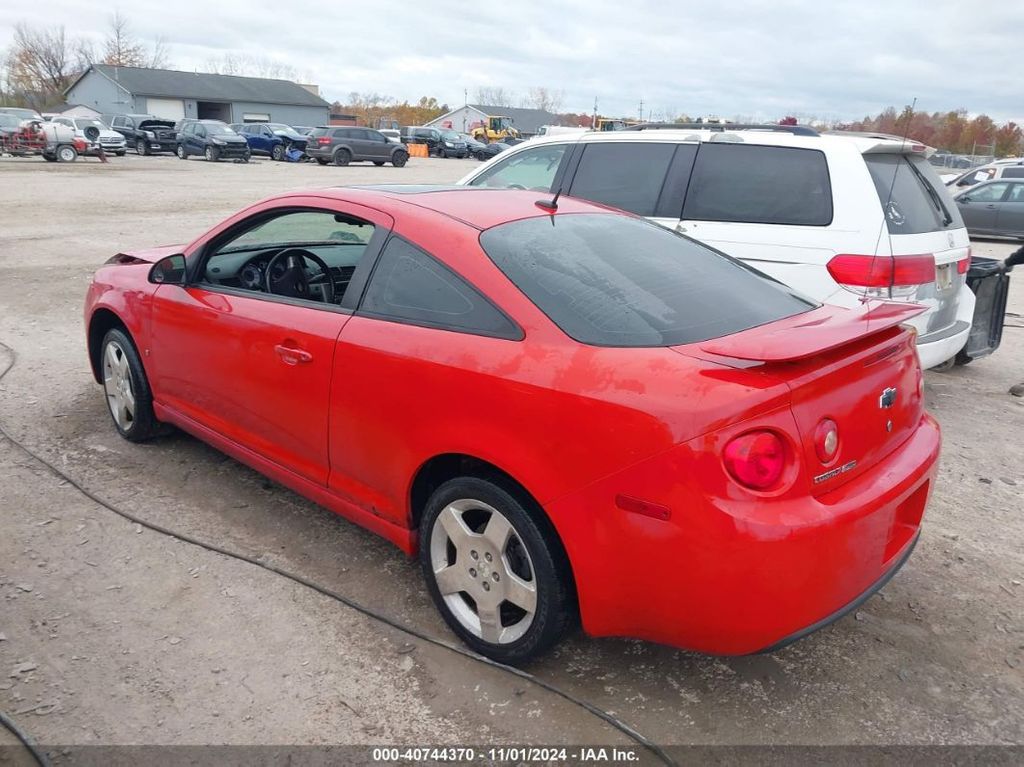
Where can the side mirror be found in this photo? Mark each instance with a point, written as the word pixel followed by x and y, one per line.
pixel 169 270
pixel 964 199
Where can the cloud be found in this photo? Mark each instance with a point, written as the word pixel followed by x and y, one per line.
pixel 757 58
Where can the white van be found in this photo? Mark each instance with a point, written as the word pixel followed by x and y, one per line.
pixel 838 217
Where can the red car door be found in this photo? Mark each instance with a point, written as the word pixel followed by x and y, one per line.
pixel 255 367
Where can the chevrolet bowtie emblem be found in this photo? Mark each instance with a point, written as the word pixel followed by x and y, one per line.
pixel 888 398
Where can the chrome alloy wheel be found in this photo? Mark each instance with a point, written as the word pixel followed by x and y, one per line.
pixel 483 571
pixel 117 381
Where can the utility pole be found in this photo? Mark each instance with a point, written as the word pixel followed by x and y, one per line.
pixel 465 107
pixel 593 124
pixel 641 110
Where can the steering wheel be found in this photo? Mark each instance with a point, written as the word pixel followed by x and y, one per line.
pixel 516 186
pixel 294 281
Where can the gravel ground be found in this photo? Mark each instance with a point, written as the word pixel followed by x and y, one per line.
pixel 112 634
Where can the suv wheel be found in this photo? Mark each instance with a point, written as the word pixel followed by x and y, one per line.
pixel 180 151
pixel 442 153
pixel 277 153
pixel 321 160
pixel 496 573
pixel 399 158
pixel 141 147
pixel 342 157
pixel 211 154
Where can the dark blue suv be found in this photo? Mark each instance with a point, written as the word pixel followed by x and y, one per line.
pixel 271 139
pixel 213 140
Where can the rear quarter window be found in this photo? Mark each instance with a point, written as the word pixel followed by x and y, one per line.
pixel 759 185
pixel 629 176
pixel 614 280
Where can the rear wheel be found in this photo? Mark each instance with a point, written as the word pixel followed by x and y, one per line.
pixel 277 153
pixel 129 398
pixel 442 153
pixel 499 579
pixel 398 159
pixel 342 157
pixel 321 160
pixel 66 153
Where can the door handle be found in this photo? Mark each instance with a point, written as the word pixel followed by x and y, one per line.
pixel 292 356
pixel 991 207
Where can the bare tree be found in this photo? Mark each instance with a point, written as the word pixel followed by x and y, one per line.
pixel 540 97
pixel 120 48
pixel 494 96
pixel 247 65
pixel 40 64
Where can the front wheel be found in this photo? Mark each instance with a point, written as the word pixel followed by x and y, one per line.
pixel 277 153
pixel 129 398
pixel 180 151
pixel 398 159
pixel 211 154
pixel 497 574
pixel 141 147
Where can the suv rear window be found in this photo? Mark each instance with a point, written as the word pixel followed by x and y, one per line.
pixel 913 197
pixel 317 132
pixel 759 185
pixel 612 280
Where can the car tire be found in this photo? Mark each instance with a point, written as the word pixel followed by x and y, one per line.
pixel 277 153
pixel 211 154
pixel 180 151
pixel 49 158
pixel 518 578
pixel 66 153
pixel 378 163
pixel 121 154
pixel 342 157
pixel 141 147
pixel 129 398
pixel 399 159
pixel 247 156
pixel 321 161
pixel 442 153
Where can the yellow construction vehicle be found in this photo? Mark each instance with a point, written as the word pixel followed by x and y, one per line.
pixel 610 124
pixel 494 128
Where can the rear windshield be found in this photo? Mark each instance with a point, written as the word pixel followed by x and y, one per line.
pixel 913 197
pixel 318 132
pixel 609 280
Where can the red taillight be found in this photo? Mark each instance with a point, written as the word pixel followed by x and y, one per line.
pixel 882 271
pixel 964 264
pixel 756 459
pixel 323 140
pixel 826 440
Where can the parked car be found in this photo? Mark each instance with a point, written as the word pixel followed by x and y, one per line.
pixel 488 151
pixel 111 141
pixel 1000 169
pixel 452 145
pixel 213 140
pixel 805 208
pixel 271 139
pixel 994 207
pixel 513 388
pixel 392 134
pixel 147 134
pixel 472 145
pixel 342 145
pixel 412 134
pixel 21 114
pixel 305 130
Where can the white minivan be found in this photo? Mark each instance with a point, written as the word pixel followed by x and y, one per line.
pixel 838 217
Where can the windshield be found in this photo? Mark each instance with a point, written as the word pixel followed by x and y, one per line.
pixel 450 135
pixel 279 127
pixel 215 129
pixel 611 280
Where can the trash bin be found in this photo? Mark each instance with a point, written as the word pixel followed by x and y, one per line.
pixel 988 279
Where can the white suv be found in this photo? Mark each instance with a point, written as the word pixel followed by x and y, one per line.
pixel 836 216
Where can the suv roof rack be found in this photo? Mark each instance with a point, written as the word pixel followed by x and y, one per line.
pixel 796 130
pixel 874 134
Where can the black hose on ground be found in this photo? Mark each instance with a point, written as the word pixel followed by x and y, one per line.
pixel 26 741
pixel 601 714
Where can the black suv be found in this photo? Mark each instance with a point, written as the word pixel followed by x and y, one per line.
pixel 212 139
pixel 146 133
pixel 344 145
pixel 436 141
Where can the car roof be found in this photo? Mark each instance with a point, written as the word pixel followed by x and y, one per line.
pixel 480 208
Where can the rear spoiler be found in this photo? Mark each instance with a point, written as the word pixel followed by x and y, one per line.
pixel 888 143
pixel 810 333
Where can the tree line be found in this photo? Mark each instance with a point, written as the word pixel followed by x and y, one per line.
pixel 953 131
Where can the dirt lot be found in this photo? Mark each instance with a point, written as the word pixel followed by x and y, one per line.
pixel 110 634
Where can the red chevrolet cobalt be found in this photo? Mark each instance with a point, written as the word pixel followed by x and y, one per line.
pixel 566 411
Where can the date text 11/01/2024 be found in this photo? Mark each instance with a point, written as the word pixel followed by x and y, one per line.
pixel 502 754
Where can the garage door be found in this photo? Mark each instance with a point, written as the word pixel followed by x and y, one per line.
pixel 169 109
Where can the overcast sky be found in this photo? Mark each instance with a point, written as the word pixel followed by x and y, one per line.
pixel 760 58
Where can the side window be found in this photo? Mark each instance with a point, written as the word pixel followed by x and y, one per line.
pixel 244 258
pixel 759 185
pixel 410 286
pixel 1013 172
pixel 200 131
pixel 1016 193
pixel 988 193
pixel 533 168
pixel 624 175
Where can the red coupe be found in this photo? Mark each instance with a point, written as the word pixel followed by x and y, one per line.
pixel 568 412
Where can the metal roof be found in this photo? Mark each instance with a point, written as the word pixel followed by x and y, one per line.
pixel 526 120
pixel 202 86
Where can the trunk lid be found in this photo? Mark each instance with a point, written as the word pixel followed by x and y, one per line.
pixel 858 368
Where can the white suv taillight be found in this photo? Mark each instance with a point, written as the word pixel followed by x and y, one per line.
pixel 883 276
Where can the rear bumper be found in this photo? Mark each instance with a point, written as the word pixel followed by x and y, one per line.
pixel 731 574
pixel 939 346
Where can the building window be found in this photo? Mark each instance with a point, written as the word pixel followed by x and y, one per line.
pixel 255 117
